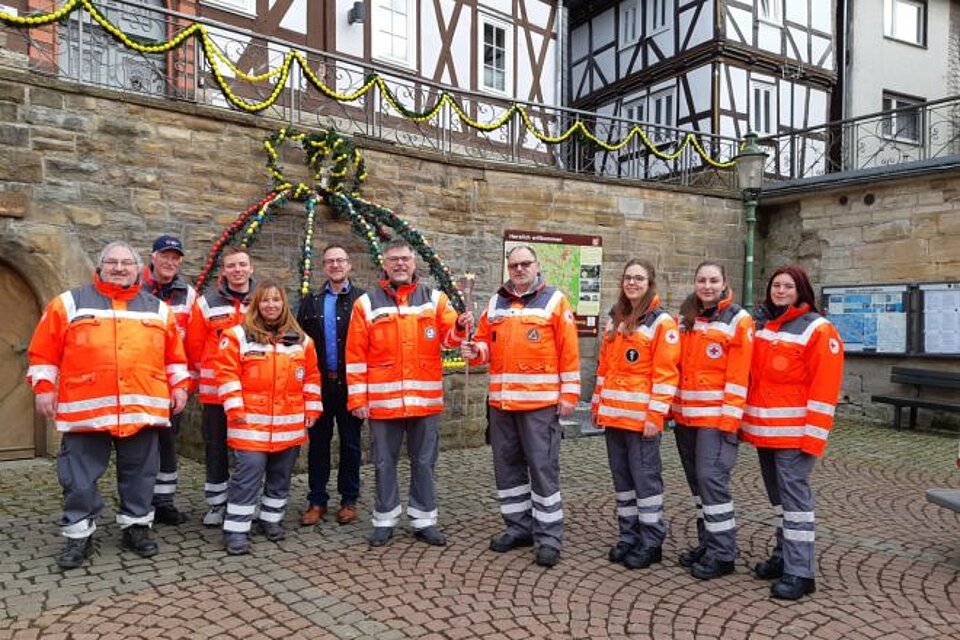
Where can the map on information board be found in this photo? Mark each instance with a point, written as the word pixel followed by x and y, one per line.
pixel 570 263
pixel 941 317
pixel 871 319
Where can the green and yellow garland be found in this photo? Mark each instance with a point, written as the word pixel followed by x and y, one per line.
pixel 338 171
pixel 278 76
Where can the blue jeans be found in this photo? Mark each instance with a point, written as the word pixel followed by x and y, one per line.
pixel 318 456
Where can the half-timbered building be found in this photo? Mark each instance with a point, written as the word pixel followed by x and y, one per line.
pixel 717 67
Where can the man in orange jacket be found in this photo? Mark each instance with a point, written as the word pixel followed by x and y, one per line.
pixel 215 312
pixel 395 378
pixel 529 337
pixel 162 279
pixel 108 368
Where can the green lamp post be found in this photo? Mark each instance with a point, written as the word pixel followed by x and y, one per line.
pixel 750 163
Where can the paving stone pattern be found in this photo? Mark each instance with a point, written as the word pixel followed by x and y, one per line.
pixel 888 562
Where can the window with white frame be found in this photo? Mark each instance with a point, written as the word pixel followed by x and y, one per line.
pixel 661 112
pixel 495 60
pixel 248 7
pixel 657 15
pixel 629 22
pixel 632 114
pixel 762 108
pixel 905 20
pixel 393 24
pixel 904 123
pixel 770 11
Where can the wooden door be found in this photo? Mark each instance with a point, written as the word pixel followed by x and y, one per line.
pixel 21 434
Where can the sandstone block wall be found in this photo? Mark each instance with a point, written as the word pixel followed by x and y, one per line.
pixel 891 232
pixel 81 166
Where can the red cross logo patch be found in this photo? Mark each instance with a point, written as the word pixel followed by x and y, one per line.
pixel 714 351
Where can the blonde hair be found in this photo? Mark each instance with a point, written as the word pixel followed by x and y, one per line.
pixel 254 324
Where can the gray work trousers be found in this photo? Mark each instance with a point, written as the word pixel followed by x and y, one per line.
pixel 526 467
pixel 386 437
pixel 213 427
pixel 83 459
pixel 251 468
pixel 708 456
pixel 638 480
pixel 786 475
pixel 166 487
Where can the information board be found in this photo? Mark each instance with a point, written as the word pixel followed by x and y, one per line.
pixel 870 319
pixel 571 263
pixel 940 305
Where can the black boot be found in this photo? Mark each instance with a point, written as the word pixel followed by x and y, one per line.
pixel 168 514
pixel 791 587
pixel 690 557
pixel 431 535
pixel 75 552
pixel 507 541
pixel 709 568
pixel 769 569
pixel 236 544
pixel 641 557
pixel 273 531
pixel 137 538
pixel 380 536
pixel 619 552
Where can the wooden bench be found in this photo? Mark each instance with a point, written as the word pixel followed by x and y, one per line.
pixel 919 379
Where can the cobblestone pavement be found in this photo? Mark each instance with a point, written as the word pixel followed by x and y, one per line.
pixel 888 562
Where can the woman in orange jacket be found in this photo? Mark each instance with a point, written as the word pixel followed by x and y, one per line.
pixel 268 380
pixel 636 380
pixel 795 380
pixel 716 340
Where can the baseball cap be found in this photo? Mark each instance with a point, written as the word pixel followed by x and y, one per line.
pixel 168 242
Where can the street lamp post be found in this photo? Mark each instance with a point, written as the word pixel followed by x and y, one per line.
pixel 750 163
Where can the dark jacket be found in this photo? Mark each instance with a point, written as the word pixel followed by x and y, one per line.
pixel 310 317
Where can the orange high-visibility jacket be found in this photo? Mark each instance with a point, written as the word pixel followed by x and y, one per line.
pixel 531 344
pixel 270 392
pixel 637 373
pixel 180 297
pixel 715 369
pixel 795 379
pixel 393 350
pixel 213 313
pixel 113 355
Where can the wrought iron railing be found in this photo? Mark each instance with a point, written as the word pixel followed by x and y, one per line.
pixel 398 109
pixel 924 131
pixel 78 49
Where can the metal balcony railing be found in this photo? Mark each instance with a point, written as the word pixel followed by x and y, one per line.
pixel 400 109
pixel 919 132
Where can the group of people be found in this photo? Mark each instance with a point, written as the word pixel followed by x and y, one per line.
pixel 112 364
pixel 772 380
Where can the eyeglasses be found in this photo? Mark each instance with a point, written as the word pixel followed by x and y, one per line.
pixel 525 264
pixel 637 279
pixel 113 264
pixel 335 261
pixel 399 259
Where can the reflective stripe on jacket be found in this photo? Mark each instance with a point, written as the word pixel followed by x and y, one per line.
pixel 112 355
pixel 637 373
pixel 270 392
pixel 795 379
pixel 715 369
pixel 393 350
pixel 213 313
pixel 531 344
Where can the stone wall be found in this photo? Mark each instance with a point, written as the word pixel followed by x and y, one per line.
pixel 80 166
pixel 903 231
